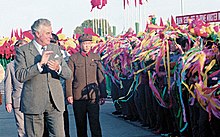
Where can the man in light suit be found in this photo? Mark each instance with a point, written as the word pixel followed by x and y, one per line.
pixel 40 71
pixel 13 88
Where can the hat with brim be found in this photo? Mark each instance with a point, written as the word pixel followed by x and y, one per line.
pixel 85 37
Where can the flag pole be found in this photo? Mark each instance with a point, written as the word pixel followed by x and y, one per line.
pixel 181 6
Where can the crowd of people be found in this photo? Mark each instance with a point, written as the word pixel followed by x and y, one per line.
pixel 168 80
pixel 169 84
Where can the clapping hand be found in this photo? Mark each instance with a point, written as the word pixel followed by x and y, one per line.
pixel 45 57
pixel 53 65
pixel 70 99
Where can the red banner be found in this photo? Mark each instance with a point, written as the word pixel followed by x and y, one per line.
pixel 206 17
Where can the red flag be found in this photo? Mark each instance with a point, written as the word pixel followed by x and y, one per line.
pixel 6 49
pixel 125 3
pixel 129 33
pixel 16 34
pixel 98 4
pixel 1 51
pixel 173 23
pixel 12 33
pixel 90 31
pixel 59 31
pixel 12 49
pixel 77 36
pixel 8 53
pixel 21 33
pixel 216 28
pixel 95 3
pixel 2 48
pixel 28 34
pixel 104 2
pixel 140 2
pixel 161 22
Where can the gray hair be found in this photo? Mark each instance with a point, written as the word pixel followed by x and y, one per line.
pixel 36 26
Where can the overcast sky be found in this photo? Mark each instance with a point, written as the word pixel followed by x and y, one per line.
pixel 68 14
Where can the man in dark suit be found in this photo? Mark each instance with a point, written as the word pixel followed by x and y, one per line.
pixel 40 71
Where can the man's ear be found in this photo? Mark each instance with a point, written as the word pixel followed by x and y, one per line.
pixel 37 33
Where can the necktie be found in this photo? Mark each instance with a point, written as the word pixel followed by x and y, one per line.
pixel 43 49
pixel 44 66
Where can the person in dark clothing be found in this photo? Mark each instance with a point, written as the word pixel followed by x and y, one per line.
pixel 86 89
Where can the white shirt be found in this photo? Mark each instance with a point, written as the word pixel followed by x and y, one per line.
pixel 39 49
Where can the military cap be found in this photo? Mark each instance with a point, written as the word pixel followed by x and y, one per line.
pixel 85 37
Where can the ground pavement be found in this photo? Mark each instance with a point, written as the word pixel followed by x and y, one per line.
pixel 112 126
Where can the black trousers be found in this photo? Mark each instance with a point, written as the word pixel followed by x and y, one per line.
pixel 204 124
pixel 81 109
pixel 66 122
pixel 115 93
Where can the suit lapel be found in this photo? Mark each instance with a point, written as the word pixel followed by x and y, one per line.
pixel 50 48
pixel 34 52
pixel 33 49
